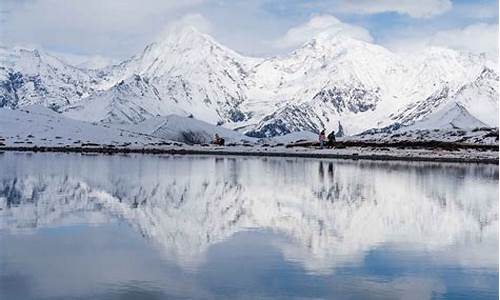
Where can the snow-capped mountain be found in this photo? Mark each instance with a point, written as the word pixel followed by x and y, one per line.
pixel 329 83
pixel 339 81
pixel 452 116
pixel 34 77
pixel 186 73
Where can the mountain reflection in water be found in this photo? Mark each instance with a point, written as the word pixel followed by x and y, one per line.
pixel 321 215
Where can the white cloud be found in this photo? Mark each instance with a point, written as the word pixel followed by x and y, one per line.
pixel 477 10
pixel 195 20
pixel 320 25
pixel 85 61
pixel 90 26
pixel 121 28
pixel 413 8
pixel 476 38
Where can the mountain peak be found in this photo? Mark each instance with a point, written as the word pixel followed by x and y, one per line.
pixel 335 44
pixel 30 60
pixel 187 72
pixel 185 36
pixel 185 42
pixel 181 50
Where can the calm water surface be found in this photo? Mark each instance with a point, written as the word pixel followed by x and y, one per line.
pixel 180 227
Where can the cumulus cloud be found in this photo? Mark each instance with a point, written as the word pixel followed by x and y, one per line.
pixel 320 25
pixel 89 26
pixel 195 20
pixel 413 8
pixel 476 38
pixel 121 28
pixel 477 10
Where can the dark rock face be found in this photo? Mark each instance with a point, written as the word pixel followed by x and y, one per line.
pixel 419 109
pixel 11 89
pixel 8 90
pixel 387 129
pixel 191 74
pixel 236 115
pixel 289 119
pixel 348 99
pixel 192 138
pixel 271 129
pixel 340 131
pixel 303 117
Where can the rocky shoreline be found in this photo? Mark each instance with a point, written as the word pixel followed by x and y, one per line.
pixel 484 154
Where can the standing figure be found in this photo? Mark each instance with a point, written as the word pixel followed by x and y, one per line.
pixel 322 139
pixel 331 139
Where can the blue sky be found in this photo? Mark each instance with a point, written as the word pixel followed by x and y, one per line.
pixel 120 28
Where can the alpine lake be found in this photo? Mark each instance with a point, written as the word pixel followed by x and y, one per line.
pixel 138 226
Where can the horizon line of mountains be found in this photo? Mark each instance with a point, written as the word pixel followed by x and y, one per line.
pixel 332 82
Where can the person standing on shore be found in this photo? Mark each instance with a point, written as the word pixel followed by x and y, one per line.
pixel 322 138
pixel 331 139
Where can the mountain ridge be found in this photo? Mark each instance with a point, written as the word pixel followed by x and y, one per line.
pixel 327 83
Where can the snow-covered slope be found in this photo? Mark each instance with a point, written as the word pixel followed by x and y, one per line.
pixel 39 126
pixel 186 130
pixel 189 72
pixel 452 123
pixel 338 81
pixel 451 116
pixel 328 83
pixel 477 136
pixel 292 138
pixel 130 101
pixel 479 97
pixel 33 77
